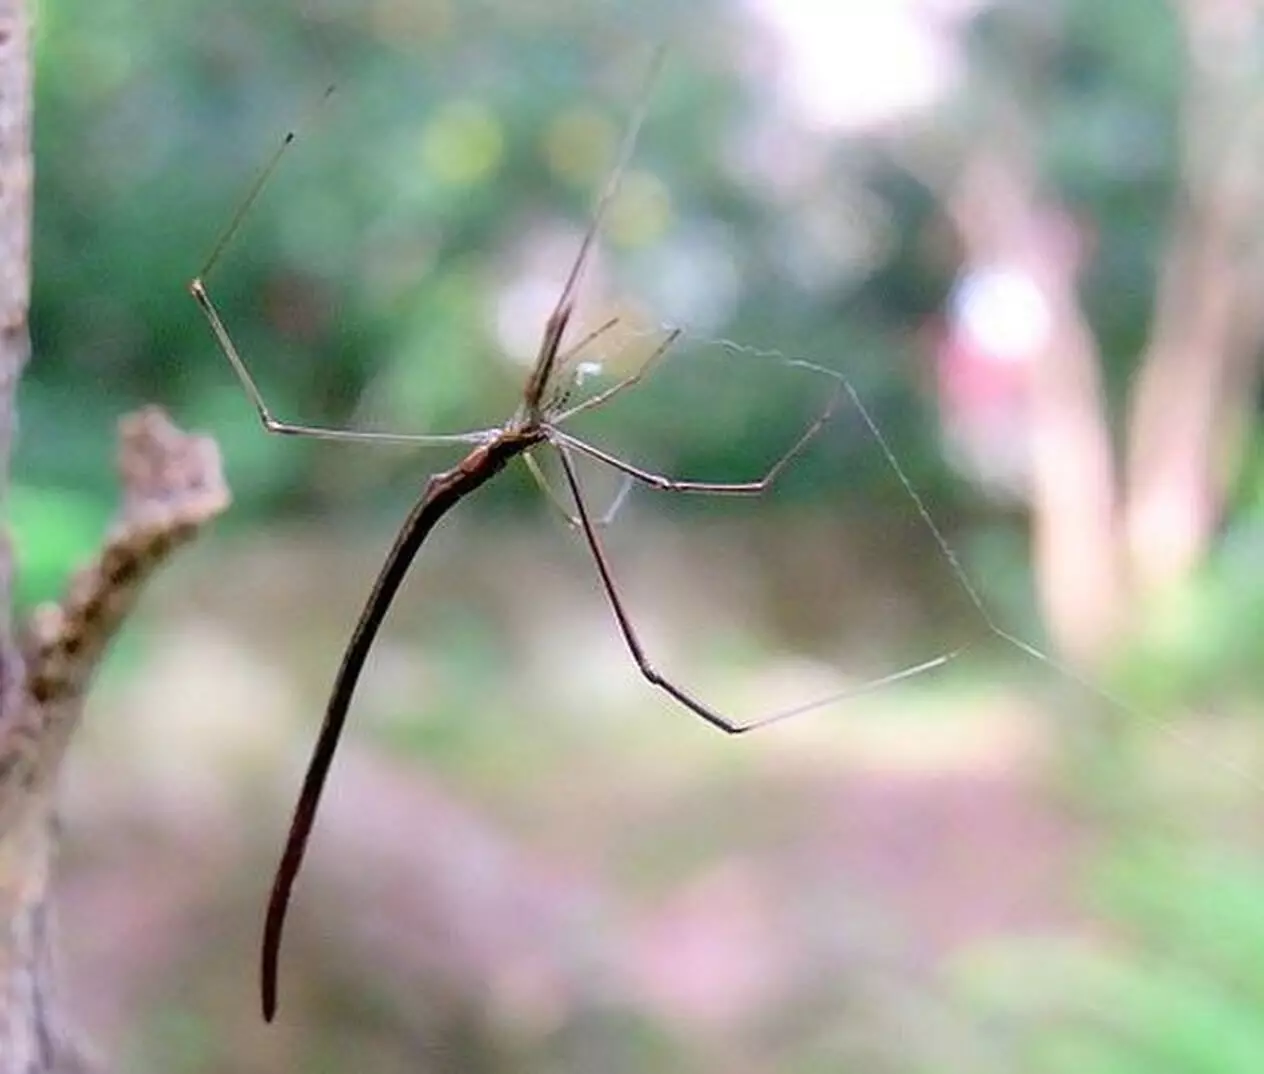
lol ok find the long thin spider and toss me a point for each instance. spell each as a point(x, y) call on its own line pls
point(543, 407)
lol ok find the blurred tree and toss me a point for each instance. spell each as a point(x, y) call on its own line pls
point(1115, 530)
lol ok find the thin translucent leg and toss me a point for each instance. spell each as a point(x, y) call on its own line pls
point(573, 521)
point(284, 428)
point(627, 382)
point(596, 333)
point(684, 697)
point(571, 352)
point(671, 484)
point(256, 189)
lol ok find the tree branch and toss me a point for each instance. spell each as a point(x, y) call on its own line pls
point(172, 486)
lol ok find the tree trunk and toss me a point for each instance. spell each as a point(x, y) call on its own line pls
point(172, 485)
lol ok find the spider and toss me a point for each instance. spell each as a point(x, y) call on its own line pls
point(544, 409)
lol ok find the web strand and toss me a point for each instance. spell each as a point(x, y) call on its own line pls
point(966, 585)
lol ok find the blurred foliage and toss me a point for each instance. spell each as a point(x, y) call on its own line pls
point(368, 267)
point(1177, 989)
point(370, 264)
point(367, 283)
point(1204, 640)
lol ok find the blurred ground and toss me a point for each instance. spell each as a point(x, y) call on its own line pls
point(520, 827)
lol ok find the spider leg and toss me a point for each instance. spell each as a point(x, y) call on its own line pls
point(256, 190)
point(573, 520)
point(197, 288)
point(681, 695)
point(546, 359)
point(671, 484)
point(562, 394)
point(627, 382)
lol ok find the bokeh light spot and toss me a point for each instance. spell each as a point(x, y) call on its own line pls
point(463, 144)
point(579, 145)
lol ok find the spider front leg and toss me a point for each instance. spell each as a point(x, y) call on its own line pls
point(671, 484)
point(197, 288)
point(272, 424)
point(681, 695)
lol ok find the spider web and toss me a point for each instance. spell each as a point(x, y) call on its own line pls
point(688, 403)
point(615, 352)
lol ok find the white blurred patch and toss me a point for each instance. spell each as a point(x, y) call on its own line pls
point(585, 370)
point(1004, 311)
point(858, 64)
point(522, 309)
